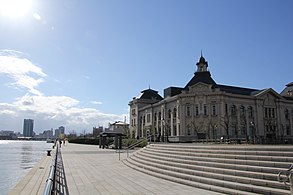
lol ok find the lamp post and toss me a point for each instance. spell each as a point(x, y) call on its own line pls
point(214, 132)
point(252, 129)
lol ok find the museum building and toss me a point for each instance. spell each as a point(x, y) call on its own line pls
point(206, 111)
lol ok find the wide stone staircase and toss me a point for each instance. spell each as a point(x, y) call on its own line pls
point(228, 169)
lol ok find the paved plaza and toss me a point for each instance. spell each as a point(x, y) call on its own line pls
point(89, 170)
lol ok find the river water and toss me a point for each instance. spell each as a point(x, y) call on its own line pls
point(17, 158)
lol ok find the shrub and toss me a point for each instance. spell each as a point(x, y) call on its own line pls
point(92, 141)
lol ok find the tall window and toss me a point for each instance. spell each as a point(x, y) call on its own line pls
point(273, 112)
point(287, 114)
point(188, 111)
point(174, 112)
point(266, 112)
point(205, 110)
point(169, 113)
point(148, 118)
point(233, 110)
point(196, 110)
point(242, 110)
point(250, 112)
point(214, 113)
point(226, 109)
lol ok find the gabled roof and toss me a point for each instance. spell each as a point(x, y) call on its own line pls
point(269, 90)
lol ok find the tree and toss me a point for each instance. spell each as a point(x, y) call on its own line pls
point(225, 122)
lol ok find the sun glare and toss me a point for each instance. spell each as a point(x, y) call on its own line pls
point(15, 8)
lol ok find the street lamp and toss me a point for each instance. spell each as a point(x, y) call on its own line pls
point(252, 128)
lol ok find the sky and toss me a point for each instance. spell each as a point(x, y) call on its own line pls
point(77, 63)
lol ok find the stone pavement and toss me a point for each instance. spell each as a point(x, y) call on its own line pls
point(35, 181)
point(91, 170)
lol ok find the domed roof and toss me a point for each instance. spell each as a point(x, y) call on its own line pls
point(202, 60)
point(150, 94)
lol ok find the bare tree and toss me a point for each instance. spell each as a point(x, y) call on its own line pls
point(225, 122)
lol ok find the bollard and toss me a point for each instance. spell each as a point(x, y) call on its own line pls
point(48, 152)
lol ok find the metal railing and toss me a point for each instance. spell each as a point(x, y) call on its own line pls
point(286, 177)
point(148, 139)
point(50, 182)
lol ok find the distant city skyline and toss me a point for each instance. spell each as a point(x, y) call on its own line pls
point(78, 64)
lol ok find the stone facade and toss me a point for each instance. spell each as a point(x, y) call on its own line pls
point(205, 110)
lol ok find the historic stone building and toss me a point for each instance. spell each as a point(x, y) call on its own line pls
point(205, 110)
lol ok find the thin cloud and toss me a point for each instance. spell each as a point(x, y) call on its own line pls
point(22, 71)
point(96, 102)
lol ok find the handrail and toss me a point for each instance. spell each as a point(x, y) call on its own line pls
point(137, 143)
point(50, 182)
point(287, 178)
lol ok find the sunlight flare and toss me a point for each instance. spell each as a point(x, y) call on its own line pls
point(15, 8)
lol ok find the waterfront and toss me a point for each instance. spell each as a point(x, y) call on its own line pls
point(17, 158)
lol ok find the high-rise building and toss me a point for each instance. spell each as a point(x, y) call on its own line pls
point(57, 133)
point(28, 127)
point(61, 130)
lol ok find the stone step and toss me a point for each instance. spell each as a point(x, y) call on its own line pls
point(230, 169)
point(222, 163)
point(243, 147)
point(188, 182)
point(281, 165)
point(206, 172)
point(205, 178)
point(234, 151)
point(218, 154)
